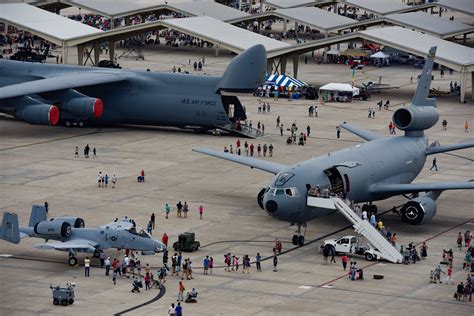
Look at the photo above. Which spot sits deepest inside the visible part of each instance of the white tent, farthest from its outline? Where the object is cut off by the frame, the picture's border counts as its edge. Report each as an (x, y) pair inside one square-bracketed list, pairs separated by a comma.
[(343, 87), (333, 51), (379, 55)]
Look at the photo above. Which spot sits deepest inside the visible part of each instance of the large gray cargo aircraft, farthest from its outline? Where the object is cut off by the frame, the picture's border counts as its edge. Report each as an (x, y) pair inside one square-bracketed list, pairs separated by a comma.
[(73, 237), (72, 95), (380, 168)]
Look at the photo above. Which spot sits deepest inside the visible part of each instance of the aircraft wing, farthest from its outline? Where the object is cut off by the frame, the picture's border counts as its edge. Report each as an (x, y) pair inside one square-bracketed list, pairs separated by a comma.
[(444, 148), (271, 167), (78, 244), (68, 81), (420, 187), (362, 133)]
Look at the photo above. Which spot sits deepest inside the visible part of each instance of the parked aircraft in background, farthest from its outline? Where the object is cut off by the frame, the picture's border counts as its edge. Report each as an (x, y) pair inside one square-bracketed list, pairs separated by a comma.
[(378, 169), (72, 95), (378, 86), (73, 237)]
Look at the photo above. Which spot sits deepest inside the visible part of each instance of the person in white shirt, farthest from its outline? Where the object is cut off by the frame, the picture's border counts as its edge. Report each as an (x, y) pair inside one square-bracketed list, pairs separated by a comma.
[(172, 310), (364, 215)]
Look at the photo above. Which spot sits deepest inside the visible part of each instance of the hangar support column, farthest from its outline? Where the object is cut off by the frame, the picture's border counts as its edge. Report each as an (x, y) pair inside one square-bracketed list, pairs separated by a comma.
[(463, 82), (283, 65), (472, 86), (296, 60), (80, 55), (111, 50), (96, 54), (270, 66)]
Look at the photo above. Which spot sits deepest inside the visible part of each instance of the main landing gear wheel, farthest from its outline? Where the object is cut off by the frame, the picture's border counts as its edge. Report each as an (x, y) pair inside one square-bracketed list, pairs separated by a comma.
[(68, 123), (72, 261), (81, 123)]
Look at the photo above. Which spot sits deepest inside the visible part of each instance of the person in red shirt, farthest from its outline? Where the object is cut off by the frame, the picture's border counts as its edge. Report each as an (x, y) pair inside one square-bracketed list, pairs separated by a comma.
[(164, 239), (344, 259), (238, 143)]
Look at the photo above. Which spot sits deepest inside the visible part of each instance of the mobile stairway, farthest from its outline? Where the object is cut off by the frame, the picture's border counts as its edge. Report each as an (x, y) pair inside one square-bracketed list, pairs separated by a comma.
[(383, 248), (244, 131)]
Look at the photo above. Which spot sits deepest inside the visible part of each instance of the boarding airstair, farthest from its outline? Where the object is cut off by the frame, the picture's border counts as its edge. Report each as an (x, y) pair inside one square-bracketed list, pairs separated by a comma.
[(384, 249), (242, 130)]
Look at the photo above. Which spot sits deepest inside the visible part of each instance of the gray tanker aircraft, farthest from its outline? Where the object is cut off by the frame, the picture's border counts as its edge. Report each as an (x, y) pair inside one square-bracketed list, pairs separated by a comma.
[(378, 169), (73, 237), (52, 94)]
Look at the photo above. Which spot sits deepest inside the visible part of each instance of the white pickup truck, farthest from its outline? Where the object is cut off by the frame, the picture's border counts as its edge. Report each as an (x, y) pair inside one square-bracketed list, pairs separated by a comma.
[(351, 245)]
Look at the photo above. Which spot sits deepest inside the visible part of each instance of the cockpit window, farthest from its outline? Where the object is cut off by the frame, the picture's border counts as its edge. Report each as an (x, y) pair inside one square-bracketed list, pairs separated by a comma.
[(280, 192), (142, 233), (288, 192), (283, 178)]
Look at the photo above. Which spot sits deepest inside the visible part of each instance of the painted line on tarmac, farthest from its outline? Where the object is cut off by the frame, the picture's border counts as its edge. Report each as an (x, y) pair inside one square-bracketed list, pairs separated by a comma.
[(156, 298), (376, 262)]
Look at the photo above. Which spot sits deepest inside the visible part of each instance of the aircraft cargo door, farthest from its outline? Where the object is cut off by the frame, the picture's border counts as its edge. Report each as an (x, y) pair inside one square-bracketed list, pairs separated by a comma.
[(233, 108)]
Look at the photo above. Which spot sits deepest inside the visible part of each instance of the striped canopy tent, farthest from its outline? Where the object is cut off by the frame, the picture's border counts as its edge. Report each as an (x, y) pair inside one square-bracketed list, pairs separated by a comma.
[(284, 81)]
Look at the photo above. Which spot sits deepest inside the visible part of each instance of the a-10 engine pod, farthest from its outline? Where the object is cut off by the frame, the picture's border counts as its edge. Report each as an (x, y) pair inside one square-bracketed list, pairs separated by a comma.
[(53, 228)]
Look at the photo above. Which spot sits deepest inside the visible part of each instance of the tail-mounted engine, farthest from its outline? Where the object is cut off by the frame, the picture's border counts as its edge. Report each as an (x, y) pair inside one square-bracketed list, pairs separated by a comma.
[(53, 229), (415, 118), (419, 210)]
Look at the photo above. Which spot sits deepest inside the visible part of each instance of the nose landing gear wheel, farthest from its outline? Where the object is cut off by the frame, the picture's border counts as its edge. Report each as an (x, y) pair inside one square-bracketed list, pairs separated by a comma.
[(294, 240)]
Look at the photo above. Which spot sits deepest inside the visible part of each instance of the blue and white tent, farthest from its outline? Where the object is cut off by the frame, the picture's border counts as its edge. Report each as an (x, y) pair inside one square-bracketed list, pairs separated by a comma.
[(284, 81)]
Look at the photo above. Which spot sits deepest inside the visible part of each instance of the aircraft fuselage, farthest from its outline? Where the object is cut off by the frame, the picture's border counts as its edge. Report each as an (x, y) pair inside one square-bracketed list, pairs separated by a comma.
[(355, 170)]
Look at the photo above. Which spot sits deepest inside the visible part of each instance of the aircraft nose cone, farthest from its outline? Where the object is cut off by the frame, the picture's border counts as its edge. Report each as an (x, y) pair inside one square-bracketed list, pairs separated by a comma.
[(271, 206)]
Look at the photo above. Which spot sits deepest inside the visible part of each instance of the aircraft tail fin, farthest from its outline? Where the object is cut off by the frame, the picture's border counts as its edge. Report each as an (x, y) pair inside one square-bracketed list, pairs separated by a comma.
[(423, 88), (246, 71), (38, 214), (10, 230)]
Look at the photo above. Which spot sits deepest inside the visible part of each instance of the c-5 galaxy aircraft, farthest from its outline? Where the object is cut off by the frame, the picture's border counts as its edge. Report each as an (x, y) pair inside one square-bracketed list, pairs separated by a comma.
[(73, 237), (380, 168), (53, 94)]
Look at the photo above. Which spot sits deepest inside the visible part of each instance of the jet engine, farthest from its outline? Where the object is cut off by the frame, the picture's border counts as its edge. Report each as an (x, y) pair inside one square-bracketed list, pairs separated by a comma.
[(419, 210), (415, 118), (84, 107), (53, 229), (39, 113), (75, 222)]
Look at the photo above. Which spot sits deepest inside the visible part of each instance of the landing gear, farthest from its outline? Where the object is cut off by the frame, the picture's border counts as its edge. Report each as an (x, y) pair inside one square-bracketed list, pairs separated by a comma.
[(260, 198), (298, 238), (72, 261)]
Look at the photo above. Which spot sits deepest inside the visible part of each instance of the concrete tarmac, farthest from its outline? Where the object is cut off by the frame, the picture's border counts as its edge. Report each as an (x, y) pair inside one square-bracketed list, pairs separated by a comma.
[(38, 164)]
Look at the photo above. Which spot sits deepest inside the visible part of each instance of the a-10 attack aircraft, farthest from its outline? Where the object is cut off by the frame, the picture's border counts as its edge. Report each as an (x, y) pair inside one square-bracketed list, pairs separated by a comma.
[(378, 169), (53, 94), (73, 237)]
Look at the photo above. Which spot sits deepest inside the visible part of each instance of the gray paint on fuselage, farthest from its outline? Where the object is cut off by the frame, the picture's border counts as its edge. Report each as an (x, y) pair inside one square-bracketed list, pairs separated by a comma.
[(407, 153)]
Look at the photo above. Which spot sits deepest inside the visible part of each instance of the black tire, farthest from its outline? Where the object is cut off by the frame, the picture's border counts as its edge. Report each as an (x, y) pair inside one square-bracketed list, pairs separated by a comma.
[(71, 301), (67, 123), (294, 240), (260, 198), (81, 123), (332, 250), (301, 240), (55, 301), (72, 261), (64, 302), (369, 257), (96, 254)]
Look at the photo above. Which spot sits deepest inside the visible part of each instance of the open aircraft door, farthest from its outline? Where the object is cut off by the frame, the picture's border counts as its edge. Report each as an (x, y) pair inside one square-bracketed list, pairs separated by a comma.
[(340, 176)]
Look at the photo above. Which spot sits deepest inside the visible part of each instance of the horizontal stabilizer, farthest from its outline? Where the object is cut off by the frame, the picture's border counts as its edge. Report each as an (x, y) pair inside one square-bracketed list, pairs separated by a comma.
[(267, 166), (445, 148), (389, 188), (10, 230), (362, 133)]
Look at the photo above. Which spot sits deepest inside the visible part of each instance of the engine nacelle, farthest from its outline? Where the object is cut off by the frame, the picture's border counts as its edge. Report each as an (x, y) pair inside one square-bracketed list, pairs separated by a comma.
[(415, 118), (53, 229), (419, 210), (40, 113), (75, 222), (84, 107)]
